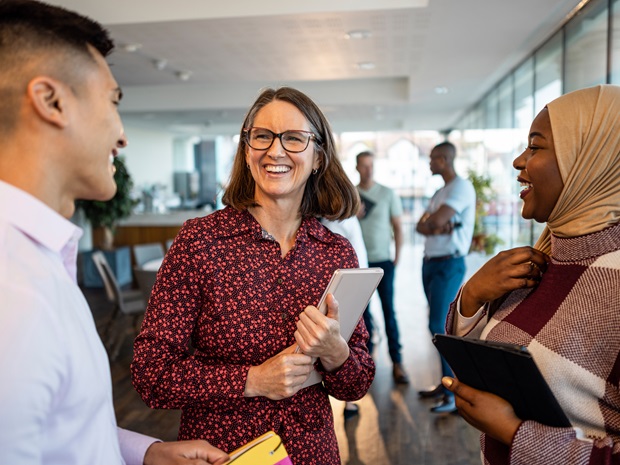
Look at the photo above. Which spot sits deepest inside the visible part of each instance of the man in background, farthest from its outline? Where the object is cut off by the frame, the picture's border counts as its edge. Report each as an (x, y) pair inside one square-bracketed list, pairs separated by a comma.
[(380, 222), (60, 130), (448, 225)]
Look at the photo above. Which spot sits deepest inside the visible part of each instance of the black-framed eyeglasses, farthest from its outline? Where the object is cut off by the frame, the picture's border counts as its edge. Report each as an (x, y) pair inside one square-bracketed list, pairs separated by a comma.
[(292, 141)]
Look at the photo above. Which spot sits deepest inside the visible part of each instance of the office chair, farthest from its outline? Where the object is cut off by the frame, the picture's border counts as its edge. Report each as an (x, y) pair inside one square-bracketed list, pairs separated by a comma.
[(126, 304), (143, 253), (146, 280)]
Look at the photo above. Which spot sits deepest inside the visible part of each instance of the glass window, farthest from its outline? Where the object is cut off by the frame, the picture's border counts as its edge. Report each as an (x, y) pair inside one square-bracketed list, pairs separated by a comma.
[(524, 94), (615, 43), (505, 92), (491, 107), (586, 47), (548, 72)]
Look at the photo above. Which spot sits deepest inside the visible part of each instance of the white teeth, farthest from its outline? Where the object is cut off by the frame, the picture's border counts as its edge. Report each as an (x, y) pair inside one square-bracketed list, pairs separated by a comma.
[(277, 169), (111, 159)]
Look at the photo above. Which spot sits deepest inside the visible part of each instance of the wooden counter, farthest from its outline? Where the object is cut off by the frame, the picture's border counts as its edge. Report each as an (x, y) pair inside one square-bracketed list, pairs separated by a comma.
[(150, 227)]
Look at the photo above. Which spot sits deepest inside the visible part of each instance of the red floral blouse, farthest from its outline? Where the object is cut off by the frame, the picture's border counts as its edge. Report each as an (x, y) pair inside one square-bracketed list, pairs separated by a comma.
[(225, 289)]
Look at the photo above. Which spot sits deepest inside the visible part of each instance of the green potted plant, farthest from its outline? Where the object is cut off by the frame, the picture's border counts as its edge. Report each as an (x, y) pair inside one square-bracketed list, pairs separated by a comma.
[(481, 241), (106, 215)]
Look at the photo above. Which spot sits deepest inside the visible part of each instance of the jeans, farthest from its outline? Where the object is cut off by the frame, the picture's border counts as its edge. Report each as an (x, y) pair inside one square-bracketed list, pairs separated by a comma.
[(441, 280), (386, 295)]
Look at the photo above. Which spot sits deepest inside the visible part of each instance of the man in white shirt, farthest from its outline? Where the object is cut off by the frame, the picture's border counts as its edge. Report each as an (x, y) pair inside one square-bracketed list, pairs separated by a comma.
[(448, 225), (60, 129)]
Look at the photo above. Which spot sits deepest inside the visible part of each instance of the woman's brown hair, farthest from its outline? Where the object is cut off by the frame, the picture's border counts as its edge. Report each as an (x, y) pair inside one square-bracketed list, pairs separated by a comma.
[(329, 193)]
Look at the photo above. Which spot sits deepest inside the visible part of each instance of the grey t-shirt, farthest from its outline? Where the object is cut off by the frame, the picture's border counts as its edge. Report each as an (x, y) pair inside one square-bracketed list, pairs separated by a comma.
[(382, 204)]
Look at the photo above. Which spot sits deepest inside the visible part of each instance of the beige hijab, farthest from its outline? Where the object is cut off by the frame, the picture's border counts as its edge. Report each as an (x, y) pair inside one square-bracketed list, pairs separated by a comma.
[(586, 133)]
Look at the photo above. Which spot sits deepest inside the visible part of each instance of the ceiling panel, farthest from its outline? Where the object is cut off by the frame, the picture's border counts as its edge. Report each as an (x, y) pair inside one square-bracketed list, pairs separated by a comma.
[(231, 50)]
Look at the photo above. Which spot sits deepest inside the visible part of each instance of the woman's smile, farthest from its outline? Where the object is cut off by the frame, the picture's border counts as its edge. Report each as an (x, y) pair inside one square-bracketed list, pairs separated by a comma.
[(539, 172), (527, 187), (277, 169)]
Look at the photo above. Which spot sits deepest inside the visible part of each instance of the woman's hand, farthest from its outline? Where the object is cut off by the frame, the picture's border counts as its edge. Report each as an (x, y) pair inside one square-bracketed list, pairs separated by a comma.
[(319, 336), (509, 270), (484, 411), (279, 377)]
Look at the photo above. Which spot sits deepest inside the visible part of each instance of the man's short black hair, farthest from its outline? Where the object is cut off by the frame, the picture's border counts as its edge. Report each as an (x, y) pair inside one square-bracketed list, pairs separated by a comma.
[(44, 25), (365, 153), (41, 39), (447, 145)]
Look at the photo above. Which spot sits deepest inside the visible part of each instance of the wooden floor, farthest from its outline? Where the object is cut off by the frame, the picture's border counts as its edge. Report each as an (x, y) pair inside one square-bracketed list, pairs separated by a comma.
[(394, 426)]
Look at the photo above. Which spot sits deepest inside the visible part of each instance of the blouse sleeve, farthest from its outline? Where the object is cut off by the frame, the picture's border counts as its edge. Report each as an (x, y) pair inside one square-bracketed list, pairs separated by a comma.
[(164, 371)]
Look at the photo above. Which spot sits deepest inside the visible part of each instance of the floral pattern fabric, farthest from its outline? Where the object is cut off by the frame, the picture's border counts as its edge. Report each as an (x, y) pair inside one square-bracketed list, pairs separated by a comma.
[(225, 290)]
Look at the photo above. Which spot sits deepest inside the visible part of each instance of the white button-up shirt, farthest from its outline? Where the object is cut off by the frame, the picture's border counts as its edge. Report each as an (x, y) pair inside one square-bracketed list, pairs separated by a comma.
[(55, 390)]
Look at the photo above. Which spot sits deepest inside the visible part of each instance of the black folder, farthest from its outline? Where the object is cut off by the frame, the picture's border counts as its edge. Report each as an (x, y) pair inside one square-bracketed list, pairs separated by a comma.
[(506, 370)]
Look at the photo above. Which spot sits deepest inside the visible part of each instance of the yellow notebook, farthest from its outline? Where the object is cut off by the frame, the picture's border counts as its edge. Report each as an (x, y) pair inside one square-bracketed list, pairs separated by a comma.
[(264, 450)]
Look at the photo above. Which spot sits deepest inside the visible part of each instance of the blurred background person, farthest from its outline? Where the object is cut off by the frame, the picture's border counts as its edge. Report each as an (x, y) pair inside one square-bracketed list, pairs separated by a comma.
[(380, 219), (350, 228), (448, 227)]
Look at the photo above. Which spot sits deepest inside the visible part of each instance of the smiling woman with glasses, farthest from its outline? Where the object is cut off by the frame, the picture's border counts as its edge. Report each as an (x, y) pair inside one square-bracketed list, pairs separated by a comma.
[(240, 286)]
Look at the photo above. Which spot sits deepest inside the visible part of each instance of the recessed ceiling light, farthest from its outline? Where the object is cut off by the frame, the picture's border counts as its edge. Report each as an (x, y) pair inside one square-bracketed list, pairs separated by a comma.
[(130, 47), (160, 64), (441, 90), (358, 34), (366, 65), (184, 75)]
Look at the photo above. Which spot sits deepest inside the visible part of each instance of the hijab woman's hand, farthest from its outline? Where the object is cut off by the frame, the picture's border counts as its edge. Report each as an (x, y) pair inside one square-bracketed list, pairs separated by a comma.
[(512, 269), (484, 411)]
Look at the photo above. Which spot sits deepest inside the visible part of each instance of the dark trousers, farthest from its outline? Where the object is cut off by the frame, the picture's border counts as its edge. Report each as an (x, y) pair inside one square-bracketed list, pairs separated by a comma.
[(386, 295), (441, 280)]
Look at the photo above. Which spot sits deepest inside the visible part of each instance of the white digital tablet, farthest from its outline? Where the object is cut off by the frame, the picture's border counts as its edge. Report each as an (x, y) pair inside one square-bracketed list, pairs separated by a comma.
[(352, 288)]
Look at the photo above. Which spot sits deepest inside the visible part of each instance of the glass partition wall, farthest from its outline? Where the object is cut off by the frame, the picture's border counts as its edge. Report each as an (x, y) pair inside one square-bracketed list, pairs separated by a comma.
[(584, 52)]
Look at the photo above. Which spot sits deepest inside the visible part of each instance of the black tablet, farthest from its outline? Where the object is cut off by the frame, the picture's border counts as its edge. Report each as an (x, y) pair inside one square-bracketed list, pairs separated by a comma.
[(506, 370)]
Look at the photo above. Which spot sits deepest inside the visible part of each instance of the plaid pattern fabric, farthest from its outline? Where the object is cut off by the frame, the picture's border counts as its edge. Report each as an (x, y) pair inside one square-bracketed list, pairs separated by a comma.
[(571, 325)]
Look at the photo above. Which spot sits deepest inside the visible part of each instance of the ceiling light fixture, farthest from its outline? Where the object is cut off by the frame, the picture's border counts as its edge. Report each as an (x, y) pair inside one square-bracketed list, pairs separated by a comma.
[(366, 65), (358, 34), (441, 90), (130, 48), (184, 75), (160, 64)]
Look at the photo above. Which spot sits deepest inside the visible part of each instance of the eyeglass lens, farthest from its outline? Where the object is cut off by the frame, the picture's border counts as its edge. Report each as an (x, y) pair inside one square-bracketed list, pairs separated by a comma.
[(292, 141)]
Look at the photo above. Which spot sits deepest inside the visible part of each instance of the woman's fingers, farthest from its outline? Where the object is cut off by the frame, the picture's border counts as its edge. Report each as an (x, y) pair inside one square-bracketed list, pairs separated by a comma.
[(517, 268)]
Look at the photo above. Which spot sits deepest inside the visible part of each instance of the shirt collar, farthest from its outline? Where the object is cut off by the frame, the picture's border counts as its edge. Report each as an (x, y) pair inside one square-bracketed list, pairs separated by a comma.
[(39, 222), (310, 226)]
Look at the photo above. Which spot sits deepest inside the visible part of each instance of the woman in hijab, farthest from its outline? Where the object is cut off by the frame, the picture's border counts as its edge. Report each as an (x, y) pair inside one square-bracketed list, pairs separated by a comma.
[(560, 299)]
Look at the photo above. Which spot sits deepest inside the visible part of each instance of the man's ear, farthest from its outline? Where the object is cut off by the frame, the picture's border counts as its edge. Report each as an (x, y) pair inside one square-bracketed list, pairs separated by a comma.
[(47, 96)]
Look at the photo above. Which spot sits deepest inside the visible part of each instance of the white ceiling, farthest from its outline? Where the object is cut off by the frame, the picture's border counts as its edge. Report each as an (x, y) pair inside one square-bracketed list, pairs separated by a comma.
[(235, 48)]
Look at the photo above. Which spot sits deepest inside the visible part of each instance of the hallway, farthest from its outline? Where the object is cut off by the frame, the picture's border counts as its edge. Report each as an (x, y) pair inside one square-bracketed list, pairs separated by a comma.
[(393, 427)]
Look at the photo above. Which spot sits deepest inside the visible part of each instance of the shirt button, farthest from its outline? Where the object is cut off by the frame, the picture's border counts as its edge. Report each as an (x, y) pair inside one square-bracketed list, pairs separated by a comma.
[(280, 280)]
